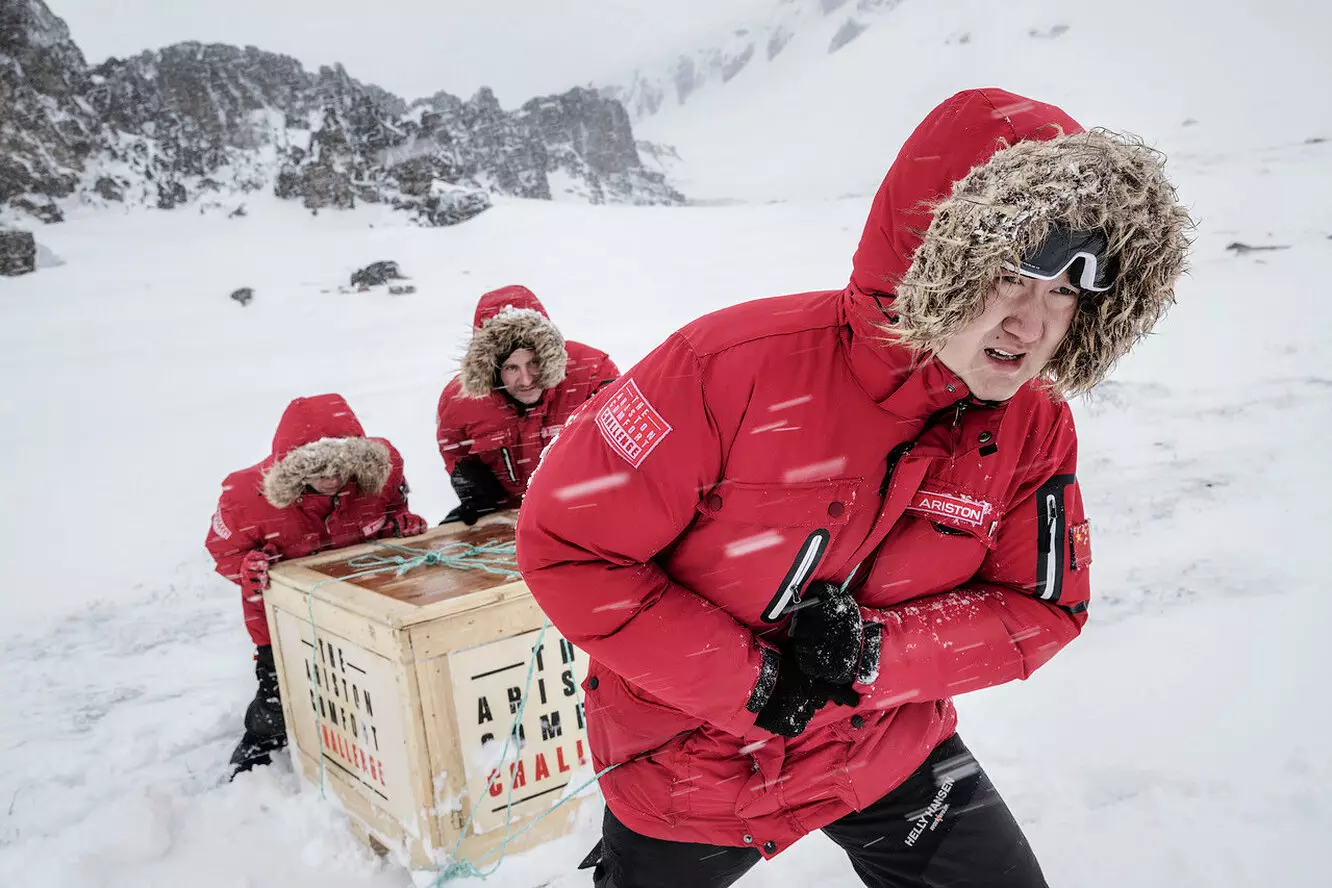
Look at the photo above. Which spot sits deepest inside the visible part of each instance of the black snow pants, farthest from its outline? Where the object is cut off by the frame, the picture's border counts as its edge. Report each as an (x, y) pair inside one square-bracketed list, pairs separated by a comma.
[(944, 827)]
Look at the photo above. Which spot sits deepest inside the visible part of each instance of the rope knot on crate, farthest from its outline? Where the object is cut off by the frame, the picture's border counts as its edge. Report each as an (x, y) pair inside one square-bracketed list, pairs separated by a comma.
[(493, 558)]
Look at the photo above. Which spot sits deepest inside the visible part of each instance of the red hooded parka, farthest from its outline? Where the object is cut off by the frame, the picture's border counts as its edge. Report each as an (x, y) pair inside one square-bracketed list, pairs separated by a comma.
[(785, 440), (476, 418), (268, 508)]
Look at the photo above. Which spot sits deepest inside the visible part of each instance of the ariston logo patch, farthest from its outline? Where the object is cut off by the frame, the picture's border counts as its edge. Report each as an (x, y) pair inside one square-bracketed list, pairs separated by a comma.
[(951, 508)]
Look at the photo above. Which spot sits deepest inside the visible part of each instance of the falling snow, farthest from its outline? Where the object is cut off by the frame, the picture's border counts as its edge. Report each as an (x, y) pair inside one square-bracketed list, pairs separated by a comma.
[(1181, 741)]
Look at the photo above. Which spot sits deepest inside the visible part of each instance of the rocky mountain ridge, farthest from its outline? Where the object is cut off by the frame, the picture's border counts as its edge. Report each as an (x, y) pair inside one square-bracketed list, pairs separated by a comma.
[(205, 124)]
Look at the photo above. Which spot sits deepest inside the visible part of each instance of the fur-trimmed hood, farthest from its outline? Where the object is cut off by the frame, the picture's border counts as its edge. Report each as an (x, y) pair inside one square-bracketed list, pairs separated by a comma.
[(320, 435), (984, 178), (508, 319)]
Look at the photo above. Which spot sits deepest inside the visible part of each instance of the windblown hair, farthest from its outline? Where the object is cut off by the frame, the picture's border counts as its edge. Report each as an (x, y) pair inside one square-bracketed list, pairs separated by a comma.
[(363, 460), (499, 337), (1003, 209)]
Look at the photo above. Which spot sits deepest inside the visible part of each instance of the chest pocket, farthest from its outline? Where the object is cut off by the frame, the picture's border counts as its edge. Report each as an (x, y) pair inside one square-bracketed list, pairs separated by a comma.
[(811, 504), (938, 544), (778, 535), (498, 450), (953, 512)]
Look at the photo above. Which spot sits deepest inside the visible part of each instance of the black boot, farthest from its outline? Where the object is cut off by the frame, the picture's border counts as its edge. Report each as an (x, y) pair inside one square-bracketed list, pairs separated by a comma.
[(265, 728)]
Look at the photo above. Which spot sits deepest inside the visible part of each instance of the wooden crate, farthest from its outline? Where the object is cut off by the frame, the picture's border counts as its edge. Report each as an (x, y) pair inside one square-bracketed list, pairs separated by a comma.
[(404, 687)]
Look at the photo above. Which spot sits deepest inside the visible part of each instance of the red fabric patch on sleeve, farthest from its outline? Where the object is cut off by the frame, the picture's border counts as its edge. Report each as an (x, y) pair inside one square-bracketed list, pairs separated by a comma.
[(631, 425), (1079, 545)]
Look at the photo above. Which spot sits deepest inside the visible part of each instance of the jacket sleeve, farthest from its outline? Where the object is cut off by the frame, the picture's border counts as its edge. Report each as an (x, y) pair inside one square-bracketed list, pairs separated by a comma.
[(231, 536), (453, 440), (609, 496), (395, 494), (1026, 602)]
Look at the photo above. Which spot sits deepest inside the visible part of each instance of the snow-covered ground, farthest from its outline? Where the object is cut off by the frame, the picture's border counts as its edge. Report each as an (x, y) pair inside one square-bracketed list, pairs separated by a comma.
[(1182, 741)]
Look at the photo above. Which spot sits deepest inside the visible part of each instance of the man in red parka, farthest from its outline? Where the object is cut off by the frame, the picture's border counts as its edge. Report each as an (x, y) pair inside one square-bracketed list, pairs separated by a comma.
[(519, 382), (819, 517), (324, 486)]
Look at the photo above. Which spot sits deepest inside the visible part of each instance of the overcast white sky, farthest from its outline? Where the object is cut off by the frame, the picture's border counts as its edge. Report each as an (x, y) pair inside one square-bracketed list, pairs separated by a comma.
[(520, 48)]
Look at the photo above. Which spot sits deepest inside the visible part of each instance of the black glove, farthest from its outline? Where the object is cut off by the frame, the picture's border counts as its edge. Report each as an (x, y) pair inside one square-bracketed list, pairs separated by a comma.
[(827, 638), (796, 697), (479, 491)]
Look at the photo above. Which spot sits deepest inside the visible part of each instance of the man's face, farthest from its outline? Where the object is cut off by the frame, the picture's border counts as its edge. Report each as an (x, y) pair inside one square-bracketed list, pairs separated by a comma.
[(1024, 321), (327, 485), (519, 374)]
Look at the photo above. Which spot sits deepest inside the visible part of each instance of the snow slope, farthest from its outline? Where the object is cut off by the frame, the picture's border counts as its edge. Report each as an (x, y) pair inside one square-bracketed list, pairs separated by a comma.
[(1182, 741), (1193, 75)]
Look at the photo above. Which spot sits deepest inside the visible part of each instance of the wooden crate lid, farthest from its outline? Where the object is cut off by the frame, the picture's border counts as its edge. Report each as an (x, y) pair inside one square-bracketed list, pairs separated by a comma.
[(423, 592)]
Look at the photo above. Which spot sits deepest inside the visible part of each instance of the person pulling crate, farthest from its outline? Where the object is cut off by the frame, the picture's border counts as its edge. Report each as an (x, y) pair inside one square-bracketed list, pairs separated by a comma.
[(324, 486)]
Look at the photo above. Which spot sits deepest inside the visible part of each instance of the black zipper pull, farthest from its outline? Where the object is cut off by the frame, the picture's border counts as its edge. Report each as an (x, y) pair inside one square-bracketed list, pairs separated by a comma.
[(802, 568), (894, 457)]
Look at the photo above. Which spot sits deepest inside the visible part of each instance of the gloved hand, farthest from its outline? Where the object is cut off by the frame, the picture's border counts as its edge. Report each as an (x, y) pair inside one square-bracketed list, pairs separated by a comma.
[(479, 491), (254, 571), (409, 524), (796, 697), (827, 638)]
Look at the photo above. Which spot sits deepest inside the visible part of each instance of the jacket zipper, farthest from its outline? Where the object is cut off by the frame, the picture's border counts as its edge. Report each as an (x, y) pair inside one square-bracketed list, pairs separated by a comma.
[(328, 531), (1052, 563), (806, 560), (508, 464)]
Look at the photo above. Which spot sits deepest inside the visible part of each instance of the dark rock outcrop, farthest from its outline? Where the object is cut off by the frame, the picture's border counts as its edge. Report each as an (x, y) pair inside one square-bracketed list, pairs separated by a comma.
[(18, 252), (376, 273), (46, 130)]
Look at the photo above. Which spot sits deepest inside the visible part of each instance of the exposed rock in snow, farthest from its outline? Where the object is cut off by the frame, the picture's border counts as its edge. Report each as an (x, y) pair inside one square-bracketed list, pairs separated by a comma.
[(18, 252)]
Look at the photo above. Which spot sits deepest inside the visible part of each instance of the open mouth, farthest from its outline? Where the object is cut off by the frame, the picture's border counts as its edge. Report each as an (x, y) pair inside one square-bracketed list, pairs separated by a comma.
[(1005, 357)]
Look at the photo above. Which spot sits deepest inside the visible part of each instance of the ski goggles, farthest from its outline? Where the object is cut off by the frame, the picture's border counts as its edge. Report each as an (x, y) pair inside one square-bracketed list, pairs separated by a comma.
[(1085, 255)]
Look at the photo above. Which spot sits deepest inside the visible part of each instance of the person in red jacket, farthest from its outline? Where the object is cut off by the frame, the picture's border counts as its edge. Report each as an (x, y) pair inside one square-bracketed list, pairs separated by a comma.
[(819, 517), (519, 383), (324, 486)]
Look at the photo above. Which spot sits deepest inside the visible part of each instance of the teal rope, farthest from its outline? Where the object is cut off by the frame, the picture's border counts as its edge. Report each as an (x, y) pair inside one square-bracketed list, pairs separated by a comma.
[(461, 867), (491, 558)]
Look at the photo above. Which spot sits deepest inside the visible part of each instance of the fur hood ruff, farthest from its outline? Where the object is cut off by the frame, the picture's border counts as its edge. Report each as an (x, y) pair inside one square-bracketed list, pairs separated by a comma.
[(499, 336), (363, 460), (1004, 208)]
